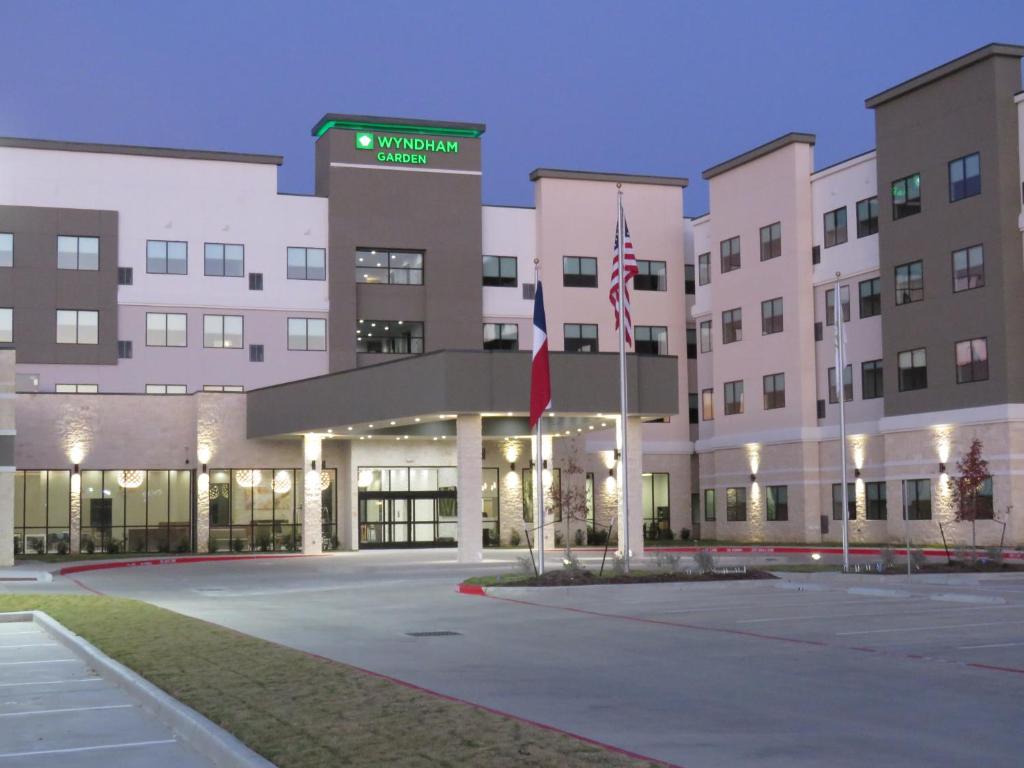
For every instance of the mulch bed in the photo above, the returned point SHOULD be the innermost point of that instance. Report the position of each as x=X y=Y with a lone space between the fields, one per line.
x=569 y=578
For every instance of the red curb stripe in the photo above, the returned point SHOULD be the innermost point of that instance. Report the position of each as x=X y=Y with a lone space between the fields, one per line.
x=87 y=589
x=470 y=589
x=186 y=560
x=995 y=668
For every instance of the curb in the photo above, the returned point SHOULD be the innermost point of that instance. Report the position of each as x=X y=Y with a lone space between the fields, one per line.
x=471 y=589
x=209 y=739
x=184 y=560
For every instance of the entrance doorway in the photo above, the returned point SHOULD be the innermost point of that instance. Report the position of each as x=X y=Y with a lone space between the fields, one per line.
x=425 y=519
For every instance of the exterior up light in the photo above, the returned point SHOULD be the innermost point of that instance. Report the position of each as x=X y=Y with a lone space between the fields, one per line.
x=815 y=556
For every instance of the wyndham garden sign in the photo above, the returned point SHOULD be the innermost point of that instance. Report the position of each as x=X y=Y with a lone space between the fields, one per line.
x=404 y=150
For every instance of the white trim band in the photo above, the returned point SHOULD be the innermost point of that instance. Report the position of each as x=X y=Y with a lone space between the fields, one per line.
x=368 y=166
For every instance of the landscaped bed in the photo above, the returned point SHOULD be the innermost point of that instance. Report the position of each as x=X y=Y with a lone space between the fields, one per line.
x=582 y=577
x=301 y=711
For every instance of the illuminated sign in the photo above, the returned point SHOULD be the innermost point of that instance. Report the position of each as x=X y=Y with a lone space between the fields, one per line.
x=404 y=149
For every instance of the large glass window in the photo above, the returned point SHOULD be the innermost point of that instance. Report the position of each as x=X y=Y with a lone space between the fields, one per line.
x=870 y=297
x=223 y=331
x=707 y=397
x=654 y=495
x=964 y=177
x=833 y=394
x=837 y=501
x=6 y=325
x=651 y=339
x=553 y=495
x=732 y=325
x=136 y=510
x=777 y=498
x=491 y=507
x=77 y=326
x=6 y=249
x=389 y=337
x=42 y=512
x=913 y=369
x=730 y=254
x=307 y=264
x=166 y=257
x=906 y=196
x=771 y=316
x=705 y=336
x=580 y=337
x=501 y=271
x=74 y=252
x=166 y=329
x=874 y=494
x=733 y=397
x=835 y=227
x=651 y=276
x=224 y=260
x=917 y=499
x=579 y=272
x=393 y=267
x=704 y=268
x=771 y=241
x=307 y=333
x=709 y=505
x=689 y=284
x=971 y=360
x=774 y=391
x=910 y=282
x=968 y=268
x=736 y=505
x=501 y=336
x=871 y=380
x=867 y=217
x=830 y=304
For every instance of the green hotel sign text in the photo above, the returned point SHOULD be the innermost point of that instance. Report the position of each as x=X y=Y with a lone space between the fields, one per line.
x=403 y=149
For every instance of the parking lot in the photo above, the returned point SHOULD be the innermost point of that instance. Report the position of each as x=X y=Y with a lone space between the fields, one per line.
x=809 y=670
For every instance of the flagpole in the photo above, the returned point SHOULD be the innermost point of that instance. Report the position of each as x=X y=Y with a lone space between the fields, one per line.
x=623 y=393
x=837 y=308
x=538 y=479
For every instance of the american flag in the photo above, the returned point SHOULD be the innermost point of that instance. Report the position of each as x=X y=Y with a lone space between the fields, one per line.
x=630 y=271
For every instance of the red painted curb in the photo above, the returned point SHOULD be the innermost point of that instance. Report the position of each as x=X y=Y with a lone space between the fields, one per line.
x=795 y=550
x=470 y=589
x=186 y=560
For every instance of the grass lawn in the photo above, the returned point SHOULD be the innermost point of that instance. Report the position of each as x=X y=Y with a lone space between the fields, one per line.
x=298 y=710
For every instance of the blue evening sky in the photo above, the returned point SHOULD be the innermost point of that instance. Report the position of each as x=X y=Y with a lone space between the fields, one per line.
x=632 y=86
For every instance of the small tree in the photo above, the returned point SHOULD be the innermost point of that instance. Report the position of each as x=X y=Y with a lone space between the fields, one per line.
x=973 y=469
x=573 y=496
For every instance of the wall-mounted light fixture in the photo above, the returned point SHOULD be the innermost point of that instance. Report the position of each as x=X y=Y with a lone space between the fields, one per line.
x=312 y=465
x=856 y=472
x=204 y=469
x=618 y=454
x=611 y=471
x=942 y=467
x=753 y=477
x=77 y=470
x=513 y=465
x=483 y=453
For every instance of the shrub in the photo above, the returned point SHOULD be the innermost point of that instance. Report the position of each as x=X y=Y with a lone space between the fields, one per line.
x=114 y=546
x=514 y=538
x=666 y=561
x=330 y=543
x=18 y=545
x=211 y=544
x=704 y=560
x=597 y=537
x=917 y=559
x=524 y=564
x=182 y=546
x=559 y=539
x=887 y=558
x=572 y=563
x=263 y=541
x=38 y=545
x=289 y=542
x=238 y=545
x=88 y=545
x=995 y=555
x=619 y=565
x=684 y=534
x=580 y=537
x=62 y=547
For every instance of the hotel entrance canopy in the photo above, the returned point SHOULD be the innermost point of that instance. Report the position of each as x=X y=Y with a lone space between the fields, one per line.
x=421 y=391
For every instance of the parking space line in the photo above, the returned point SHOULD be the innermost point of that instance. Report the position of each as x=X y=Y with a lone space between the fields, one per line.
x=870 y=615
x=922 y=629
x=53 y=682
x=988 y=645
x=68 y=750
x=66 y=709
x=29 y=645
x=40 y=661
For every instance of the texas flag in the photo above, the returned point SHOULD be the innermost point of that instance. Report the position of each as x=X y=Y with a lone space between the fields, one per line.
x=540 y=374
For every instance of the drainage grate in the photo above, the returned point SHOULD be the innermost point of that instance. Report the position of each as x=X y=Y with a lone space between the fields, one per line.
x=441 y=633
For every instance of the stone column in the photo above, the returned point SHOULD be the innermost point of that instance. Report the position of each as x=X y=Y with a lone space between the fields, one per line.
x=469 y=444
x=202 y=511
x=312 y=533
x=635 y=451
x=7 y=435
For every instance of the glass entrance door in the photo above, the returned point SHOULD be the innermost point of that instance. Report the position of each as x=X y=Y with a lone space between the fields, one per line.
x=407 y=519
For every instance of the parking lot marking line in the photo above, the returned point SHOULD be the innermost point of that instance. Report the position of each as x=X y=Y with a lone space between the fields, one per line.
x=40 y=661
x=53 y=682
x=98 y=747
x=83 y=586
x=66 y=709
x=988 y=645
x=922 y=629
x=28 y=645
x=812 y=604
x=870 y=615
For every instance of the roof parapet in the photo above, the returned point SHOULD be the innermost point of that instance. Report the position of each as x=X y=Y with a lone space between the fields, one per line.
x=757 y=152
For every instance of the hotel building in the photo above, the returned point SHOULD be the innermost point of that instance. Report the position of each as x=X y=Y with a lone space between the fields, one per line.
x=192 y=361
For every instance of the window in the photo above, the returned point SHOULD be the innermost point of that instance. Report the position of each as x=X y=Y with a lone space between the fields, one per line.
x=968 y=268
x=223 y=260
x=580 y=337
x=837 y=501
x=874 y=495
x=906 y=196
x=816 y=254
x=78 y=252
x=964 y=177
x=307 y=264
x=771 y=316
x=688 y=281
x=651 y=339
x=501 y=271
x=6 y=249
x=709 y=505
x=255 y=281
x=705 y=336
x=835 y=227
x=124 y=350
x=223 y=388
x=913 y=370
x=694 y=403
x=777 y=497
x=867 y=217
x=971 y=360
x=771 y=241
x=655 y=504
x=730 y=250
x=821 y=409
x=917 y=499
x=579 y=272
x=223 y=331
x=166 y=330
x=707 y=398
x=733 y=397
x=735 y=504
x=307 y=334
x=819 y=331
x=76 y=389
x=732 y=325
x=833 y=395
x=691 y=343
x=651 y=276
x=871 y=380
x=77 y=326
x=166 y=389
x=870 y=297
x=503 y=336
x=704 y=268
x=125 y=276
x=830 y=304
x=167 y=257
x=774 y=391
x=983 y=500
x=910 y=282
x=389 y=267
x=389 y=337
x=6 y=325
x=255 y=353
